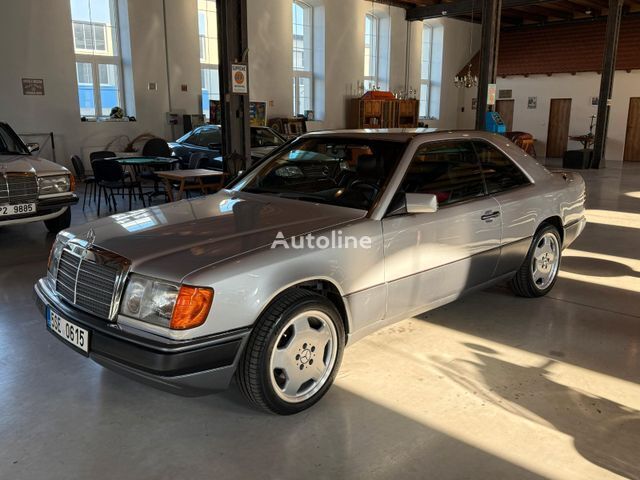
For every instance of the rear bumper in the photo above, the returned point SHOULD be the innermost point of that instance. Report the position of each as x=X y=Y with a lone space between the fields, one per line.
x=188 y=367
x=572 y=231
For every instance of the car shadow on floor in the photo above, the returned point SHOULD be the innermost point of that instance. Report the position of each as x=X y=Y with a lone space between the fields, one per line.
x=604 y=432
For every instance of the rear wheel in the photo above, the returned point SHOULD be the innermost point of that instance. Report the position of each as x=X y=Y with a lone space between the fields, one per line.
x=293 y=354
x=539 y=272
x=54 y=225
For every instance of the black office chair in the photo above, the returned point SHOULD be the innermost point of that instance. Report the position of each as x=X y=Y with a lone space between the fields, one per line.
x=101 y=154
x=110 y=175
x=155 y=147
x=88 y=180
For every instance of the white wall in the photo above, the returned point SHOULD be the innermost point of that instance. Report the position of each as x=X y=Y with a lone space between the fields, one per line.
x=38 y=43
x=580 y=88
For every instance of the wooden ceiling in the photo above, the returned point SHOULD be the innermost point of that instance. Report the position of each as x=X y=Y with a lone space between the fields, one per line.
x=515 y=13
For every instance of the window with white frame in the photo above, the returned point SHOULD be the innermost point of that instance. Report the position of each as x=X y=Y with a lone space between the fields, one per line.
x=208 y=32
x=302 y=17
x=371 y=51
x=98 y=56
x=431 y=71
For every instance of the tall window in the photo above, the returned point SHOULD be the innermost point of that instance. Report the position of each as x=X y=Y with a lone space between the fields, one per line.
x=371 y=51
x=302 y=57
x=98 y=57
x=431 y=71
x=208 y=31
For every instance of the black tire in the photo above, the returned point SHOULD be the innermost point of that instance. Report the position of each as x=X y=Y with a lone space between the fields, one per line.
x=523 y=283
x=253 y=375
x=54 y=225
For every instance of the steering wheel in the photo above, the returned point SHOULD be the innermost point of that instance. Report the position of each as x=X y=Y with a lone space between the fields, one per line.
x=367 y=188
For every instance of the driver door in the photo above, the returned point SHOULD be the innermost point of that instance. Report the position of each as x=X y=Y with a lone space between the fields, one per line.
x=431 y=258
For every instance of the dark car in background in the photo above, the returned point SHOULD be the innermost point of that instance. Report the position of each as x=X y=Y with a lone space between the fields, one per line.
x=208 y=139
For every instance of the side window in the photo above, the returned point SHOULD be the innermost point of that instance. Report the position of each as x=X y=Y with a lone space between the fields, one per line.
x=449 y=170
x=500 y=173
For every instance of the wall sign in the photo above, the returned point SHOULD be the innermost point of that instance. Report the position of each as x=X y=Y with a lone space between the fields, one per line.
x=505 y=94
x=239 y=82
x=33 y=86
x=491 y=94
x=532 y=102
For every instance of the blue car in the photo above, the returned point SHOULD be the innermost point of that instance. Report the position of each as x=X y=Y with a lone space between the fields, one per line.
x=208 y=139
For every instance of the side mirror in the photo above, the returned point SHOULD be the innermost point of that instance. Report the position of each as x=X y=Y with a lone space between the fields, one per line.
x=33 y=147
x=421 y=203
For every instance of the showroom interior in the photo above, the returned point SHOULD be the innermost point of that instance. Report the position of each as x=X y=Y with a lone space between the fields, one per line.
x=186 y=102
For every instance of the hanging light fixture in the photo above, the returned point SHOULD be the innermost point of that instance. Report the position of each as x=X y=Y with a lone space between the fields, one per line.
x=468 y=80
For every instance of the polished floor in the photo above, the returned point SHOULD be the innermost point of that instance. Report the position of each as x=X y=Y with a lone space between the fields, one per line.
x=489 y=387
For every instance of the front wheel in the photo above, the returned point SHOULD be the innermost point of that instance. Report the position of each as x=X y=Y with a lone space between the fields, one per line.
x=54 y=225
x=539 y=272
x=293 y=354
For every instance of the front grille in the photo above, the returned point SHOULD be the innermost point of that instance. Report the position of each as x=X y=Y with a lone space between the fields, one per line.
x=87 y=284
x=17 y=188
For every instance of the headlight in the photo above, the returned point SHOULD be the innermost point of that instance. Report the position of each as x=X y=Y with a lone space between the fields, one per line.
x=55 y=184
x=54 y=254
x=165 y=304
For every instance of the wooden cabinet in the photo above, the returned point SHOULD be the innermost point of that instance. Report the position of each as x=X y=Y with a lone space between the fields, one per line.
x=383 y=113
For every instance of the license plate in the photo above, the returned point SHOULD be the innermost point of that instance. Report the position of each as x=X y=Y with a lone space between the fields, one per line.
x=22 y=209
x=70 y=332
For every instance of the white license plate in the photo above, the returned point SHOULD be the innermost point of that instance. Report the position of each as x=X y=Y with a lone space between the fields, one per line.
x=22 y=209
x=76 y=336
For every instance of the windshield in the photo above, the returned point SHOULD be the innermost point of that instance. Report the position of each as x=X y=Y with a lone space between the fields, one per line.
x=10 y=142
x=349 y=172
x=265 y=137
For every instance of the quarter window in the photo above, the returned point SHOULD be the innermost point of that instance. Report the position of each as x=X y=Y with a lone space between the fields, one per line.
x=500 y=173
x=449 y=170
x=98 y=57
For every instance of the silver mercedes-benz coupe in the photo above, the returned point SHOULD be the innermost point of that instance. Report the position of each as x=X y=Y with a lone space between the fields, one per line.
x=325 y=241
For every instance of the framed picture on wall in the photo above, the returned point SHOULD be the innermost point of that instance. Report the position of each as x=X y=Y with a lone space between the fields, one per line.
x=532 y=102
x=474 y=104
x=594 y=101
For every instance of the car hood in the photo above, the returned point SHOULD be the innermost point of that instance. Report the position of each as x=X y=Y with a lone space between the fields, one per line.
x=28 y=164
x=172 y=240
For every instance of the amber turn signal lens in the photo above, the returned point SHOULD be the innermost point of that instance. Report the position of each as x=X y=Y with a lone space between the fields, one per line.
x=72 y=183
x=192 y=307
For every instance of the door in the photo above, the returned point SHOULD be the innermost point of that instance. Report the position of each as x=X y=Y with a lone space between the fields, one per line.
x=507 y=184
x=558 y=133
x=632 y=139
x=505 y=109
x=431 y=258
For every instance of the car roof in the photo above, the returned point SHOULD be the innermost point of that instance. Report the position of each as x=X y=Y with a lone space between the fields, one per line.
x=402 y=134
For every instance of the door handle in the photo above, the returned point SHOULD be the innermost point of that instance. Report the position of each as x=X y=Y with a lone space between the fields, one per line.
x=490 y=215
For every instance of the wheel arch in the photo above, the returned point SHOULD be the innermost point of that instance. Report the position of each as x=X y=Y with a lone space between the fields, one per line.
x=322 y=286
x=556 y=222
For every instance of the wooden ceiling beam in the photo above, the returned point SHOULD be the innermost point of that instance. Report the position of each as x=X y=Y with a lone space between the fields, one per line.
x=525 y=14
x=462 y=7
x=547 y=12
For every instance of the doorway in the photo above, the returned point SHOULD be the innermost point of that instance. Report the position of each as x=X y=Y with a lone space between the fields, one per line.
x=505 y=109
x=632 y=138
x=558 y=133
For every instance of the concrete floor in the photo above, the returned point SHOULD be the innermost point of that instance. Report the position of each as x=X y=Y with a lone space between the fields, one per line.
x=490 y=387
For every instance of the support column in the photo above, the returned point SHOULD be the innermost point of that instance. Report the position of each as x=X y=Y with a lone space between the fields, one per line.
x=233 y=49
x=491 y=11
x=606 y=81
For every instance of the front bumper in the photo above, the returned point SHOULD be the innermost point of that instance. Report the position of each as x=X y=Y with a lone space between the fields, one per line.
x=46 y=208
x=187 y=367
